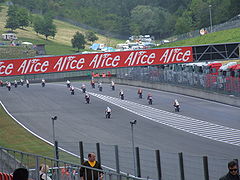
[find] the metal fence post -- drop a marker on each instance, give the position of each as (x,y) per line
(205,167)
(37,169)
(57,158)
(56,150)
(138,162)
(1,159)
(98,152)
(21,161)
(81,152)
(158,161)
(117,159)
(181,165)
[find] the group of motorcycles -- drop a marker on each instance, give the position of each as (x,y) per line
(21,82)
(83,88)
(87,96)
(149,96)
(150,100)
(100,88)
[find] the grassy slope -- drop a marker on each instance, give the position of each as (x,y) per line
(61,44)
(227,36)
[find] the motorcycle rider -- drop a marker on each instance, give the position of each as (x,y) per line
(27,83)
(140,93)
(68,83)
(149,98)
(113,85)
(43,82)
(15,83)
(8,85)
(1,83)
(21,82)
(100,86)
(92,83)
(121,94)
(83,88)
(108,112)
(176,105)
(87,98)
(72,90)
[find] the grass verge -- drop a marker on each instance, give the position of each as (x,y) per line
(226,36)
(13,136)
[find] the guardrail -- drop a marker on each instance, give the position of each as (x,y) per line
(206,82)
(59,170)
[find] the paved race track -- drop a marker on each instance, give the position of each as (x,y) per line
(200,128)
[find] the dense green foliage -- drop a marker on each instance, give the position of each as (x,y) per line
(91,36)
(78,41)
(160,18)
(17,17)
(44,25)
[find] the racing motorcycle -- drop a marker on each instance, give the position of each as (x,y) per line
(87,98)
(108,115)
(177,108)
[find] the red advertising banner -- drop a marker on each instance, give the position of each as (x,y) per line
(95,61)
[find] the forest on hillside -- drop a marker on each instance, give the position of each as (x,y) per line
(160,18)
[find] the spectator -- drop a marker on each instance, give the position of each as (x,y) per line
(233,172)
(109,74)
(43,172)
(20,174)
(103,75)
(86,174)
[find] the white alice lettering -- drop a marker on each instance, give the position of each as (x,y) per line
(186,55)
(69,63)
(58,64)
(175,55)
(135,58)
(6,69)
(104,60)
(33,65)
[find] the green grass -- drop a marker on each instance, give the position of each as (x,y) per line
(16,52)
(13,136)
(52,48)
(60,44)
(227,36)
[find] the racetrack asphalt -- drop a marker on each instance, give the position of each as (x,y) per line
(78,121)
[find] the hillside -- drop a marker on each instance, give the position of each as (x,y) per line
(159,18)
(227,36)
(61,44)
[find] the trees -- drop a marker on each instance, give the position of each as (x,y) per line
(149,20)
(17,17)
(44,25)
(37,22)
(12,19)
(78,41)
(183,24)
(91,36)
(123,17)
(48,28)
(23,17)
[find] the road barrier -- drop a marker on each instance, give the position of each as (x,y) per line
(155,164)
(59,170)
